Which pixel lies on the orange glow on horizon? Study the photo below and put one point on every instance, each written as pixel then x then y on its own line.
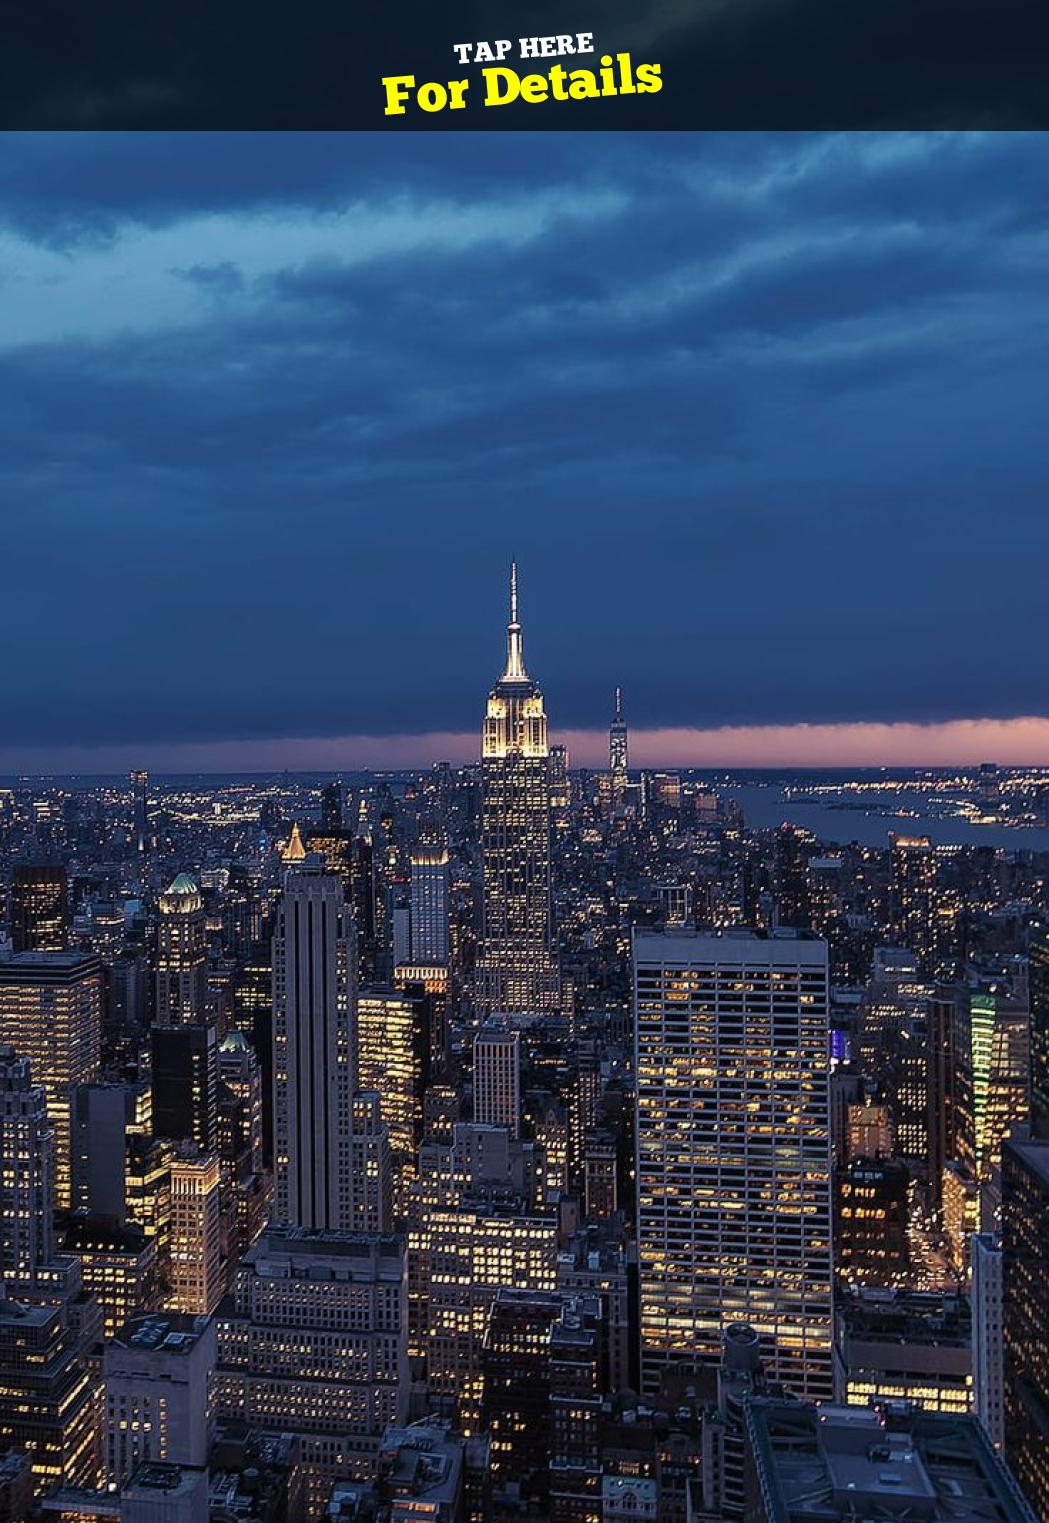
pixel 958 742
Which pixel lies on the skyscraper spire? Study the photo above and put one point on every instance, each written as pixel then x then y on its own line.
pixel 515 667
pixel 619 705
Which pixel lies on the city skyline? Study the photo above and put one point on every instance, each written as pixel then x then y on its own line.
pixel 758 417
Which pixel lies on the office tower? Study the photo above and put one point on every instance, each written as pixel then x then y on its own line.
pixel 430 887
pixel 733 1150
pixel 194 1250
pixel 184 1075
pixel 517 970
pixel 372 1171
pixel 600 1167
pixel 1038 966
pixel 49 1403
pixel 119 1266
pixel 393 1060
pixel 1025 1298
pixel 914 895
pixel 429 986
pixel 182 958
pixel 241 1074
pixel 331 806
pixel 39 908
pixel 105 1116
pixel 541 1403
pixel 560 789
pixel 893 1465
pixel 27 1183
pixel 314 1051
pixel 253 1013
pixel 314 1338
pixel 497 1078
pixel 139 781
pixel 51 1013
pixel 158 1373
pixel 462 1255
pixel 988 1350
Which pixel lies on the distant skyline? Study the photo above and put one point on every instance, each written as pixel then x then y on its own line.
pixel 762 419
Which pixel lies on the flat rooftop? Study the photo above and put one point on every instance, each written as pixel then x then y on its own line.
pixel 819 1464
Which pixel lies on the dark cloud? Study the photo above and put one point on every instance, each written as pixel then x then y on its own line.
pixel 762 419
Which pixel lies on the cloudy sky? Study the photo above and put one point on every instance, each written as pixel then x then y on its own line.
pixel 762 419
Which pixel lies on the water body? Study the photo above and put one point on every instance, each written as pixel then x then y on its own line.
pixel 768 805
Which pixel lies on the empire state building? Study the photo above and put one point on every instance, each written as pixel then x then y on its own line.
pixel 517 970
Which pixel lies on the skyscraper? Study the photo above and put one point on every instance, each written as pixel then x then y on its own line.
pixel 139 781
pixel 51 1013
pixel 497 1078
pixel 914 895
pixel 39 908
pixel 181 955
pixel 618 754
pixel 733 1150
pixel 517 969
pixel 429 900
pixel 1025 1301
pixel 314 1056
pixel 194 1248
pixel 26 1173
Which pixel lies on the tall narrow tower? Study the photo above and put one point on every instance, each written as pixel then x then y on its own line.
pixel 618 756
pixel 617 739
pixel 314 1056
pixel 517 968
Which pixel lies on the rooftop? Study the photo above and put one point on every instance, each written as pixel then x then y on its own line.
pixel 818 1464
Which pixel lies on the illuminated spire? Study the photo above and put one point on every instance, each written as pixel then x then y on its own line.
pixel 619 705
pixel 515 667
pixel 294 851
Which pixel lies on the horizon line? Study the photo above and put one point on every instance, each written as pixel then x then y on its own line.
pixel 1017 742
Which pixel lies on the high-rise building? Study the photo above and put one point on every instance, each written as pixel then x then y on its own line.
pixel 49 1406
pixel 1038 975
pixel 497 1078
pixel 194 1244
pixel 733 1150
pixel 372 1173
pixel 27 1183
pixel 517 968
pixel 332 805
pixel 39 908
pixel 1025 1298
pixel 430 894
pixel 105 1117
pixel 159 1379
pixel 184 1069
pixel 988 1349
pixel 315 1059
pixel 139 781
pixel 618 753
pixel 182 958
pixel 313 1340
pixel 51 1013
pixel 393 1060
pixel 914 895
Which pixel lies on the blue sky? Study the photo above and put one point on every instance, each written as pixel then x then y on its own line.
pixel 762 419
